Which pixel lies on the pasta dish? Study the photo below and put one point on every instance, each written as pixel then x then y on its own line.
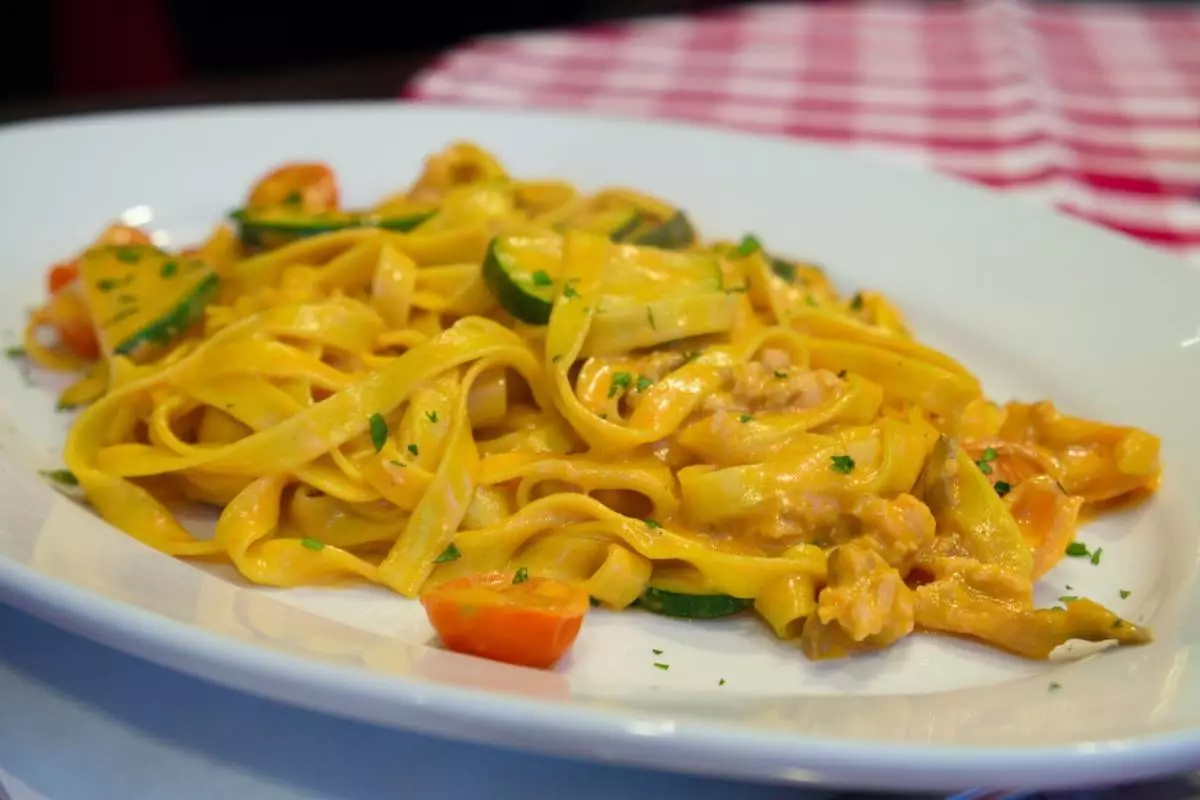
pixel 491 392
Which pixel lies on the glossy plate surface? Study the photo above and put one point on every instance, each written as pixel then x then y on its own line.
pixel 1035 303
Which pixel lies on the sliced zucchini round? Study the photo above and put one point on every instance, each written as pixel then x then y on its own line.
pixel 691 606
pixel 674 234
pixel 274 227
pixel 522 274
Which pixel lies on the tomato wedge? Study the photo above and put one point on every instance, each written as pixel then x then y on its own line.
pixel 527 621
pixel 309 187
pixel 61 275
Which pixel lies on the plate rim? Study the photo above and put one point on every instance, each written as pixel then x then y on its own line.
pixel 706 747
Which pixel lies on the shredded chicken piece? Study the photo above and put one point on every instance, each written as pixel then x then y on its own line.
pixel 896 529
pixel 865 604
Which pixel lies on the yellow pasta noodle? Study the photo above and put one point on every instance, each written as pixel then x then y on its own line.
pixel 484 373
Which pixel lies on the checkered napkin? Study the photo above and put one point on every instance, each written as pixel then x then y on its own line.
pixel 1095 109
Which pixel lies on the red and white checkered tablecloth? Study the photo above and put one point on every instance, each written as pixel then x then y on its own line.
pixel 1094 108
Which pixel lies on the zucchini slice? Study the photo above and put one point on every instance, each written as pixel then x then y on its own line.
pixel 521 273
pixel 650 296
pixel 691 606
pixel 141 299
pixel 273 227
pixel 675 233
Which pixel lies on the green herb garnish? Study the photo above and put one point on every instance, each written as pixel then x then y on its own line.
pixel 1068 598
pixel 312 544
pixel 620 380
pixel 643 383
pixel 662 666
pixel 652 524
pixel 1002 487
pixel 1077 550
pixel 842 464
pixel 16 351
pixel 569 292
pixel 542 278
pixel 293 198
pixel 744 418
pixel 1096 555
pixel 379 431
pixel 748 246
pixel 1054 687
pixel 650 318
pixel 656 651
pixel 451 553
pixel 856 302
pixel 721 682
pixel 781 375
pixel 984 462
pixel 412 448
pixel 1125 593
pixel 62 476
pixel 128 255
pixel 431 416
pixel 168 269
pixel 784 269
pixel 521 575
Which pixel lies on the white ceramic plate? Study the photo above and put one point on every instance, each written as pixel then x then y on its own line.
pixel 1036 303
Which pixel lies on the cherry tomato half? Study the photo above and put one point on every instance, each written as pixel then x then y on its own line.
pixel 61 275
pixel 69 314
pixel 531 623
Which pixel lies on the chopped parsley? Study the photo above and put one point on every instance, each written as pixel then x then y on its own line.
pixel 650 318
pixel 652 524
pixel 721 682
pixel 1068 587
pixel 748 246
pixel 128 255
pixel 810 300
pixel 312 544
pixel 643 383
pixel 293 198
pixel 841 373
pixel 1054 687
pixel 15 352
pixel 168 269
pixel 451 553
pixel 1116 623
pixel 984 462
pixel 1068 598
pixel 1077 550
pixel 396 463
pixel 856 303
pixel 842 464
pixel 656 651
pixel 569 291
pixel 1125 593
pixel 593 602
pixel 126 298
pixel 744 418
pixel 379 431
pixel 521 575
pixel 62 476
pixel 780 374
pixel 556 359
pixel 1096 555
pixel 620 380
pixel 431 416
pixel 412 448
pixel 1002 487
pixel 662 666
pixel 542 278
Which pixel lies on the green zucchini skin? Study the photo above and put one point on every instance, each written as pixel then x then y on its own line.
pixel 691 606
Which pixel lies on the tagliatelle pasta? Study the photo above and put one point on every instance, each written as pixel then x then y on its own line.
pixel 483 374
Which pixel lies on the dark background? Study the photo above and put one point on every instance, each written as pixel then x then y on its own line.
pixel 78 55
